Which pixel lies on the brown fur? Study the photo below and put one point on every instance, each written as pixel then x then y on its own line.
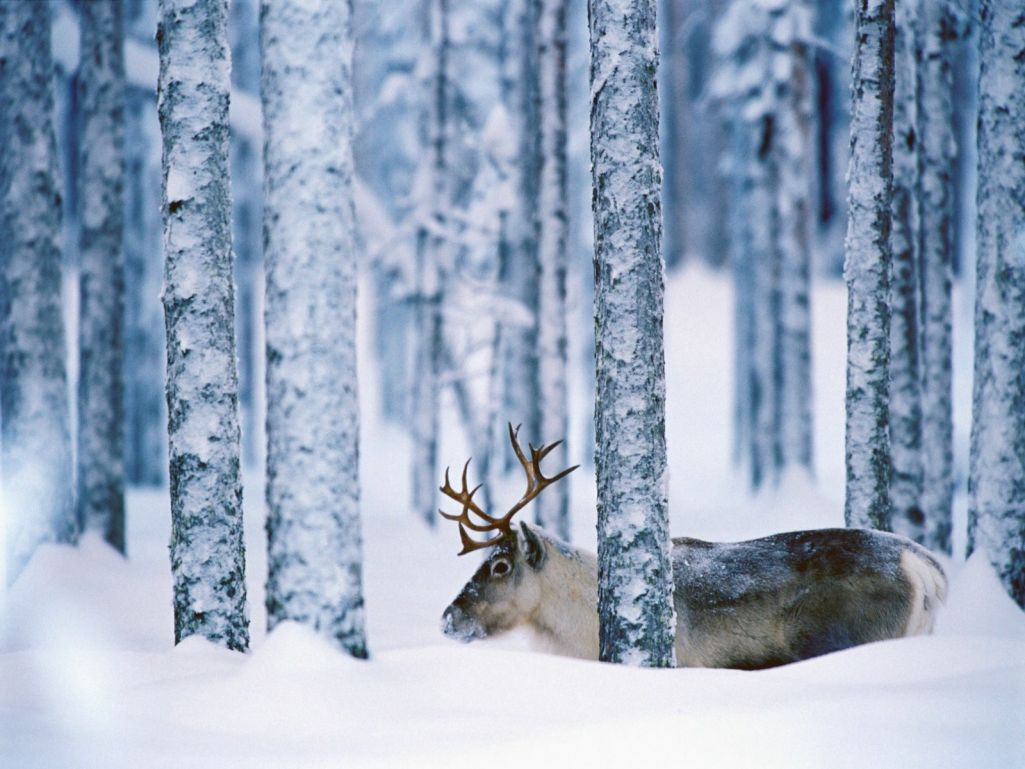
pixel 747 605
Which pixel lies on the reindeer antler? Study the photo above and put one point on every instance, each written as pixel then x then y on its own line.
pixel 536 483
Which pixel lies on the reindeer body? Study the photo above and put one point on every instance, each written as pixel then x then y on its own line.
pixel 749 605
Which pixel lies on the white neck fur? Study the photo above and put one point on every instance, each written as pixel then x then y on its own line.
pixel 566 619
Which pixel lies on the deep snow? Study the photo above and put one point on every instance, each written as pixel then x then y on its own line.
pixel 89 677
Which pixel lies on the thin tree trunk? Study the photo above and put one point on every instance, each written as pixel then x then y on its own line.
pixel 431 242
pixel 905 374
pixel 635 610
pixel 743 281
pixel 552 512
pixel 315 556
pixel 936 177
pixel 145 404
pixel 763 178
pixel 793 204
pixel 867 269
pixel 520 357
pixel 101 80
pixel 996 512
pixel 35 447
pixel 207 549
pixel 674 144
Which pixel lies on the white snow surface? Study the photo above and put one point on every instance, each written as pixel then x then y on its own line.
pixel 89 676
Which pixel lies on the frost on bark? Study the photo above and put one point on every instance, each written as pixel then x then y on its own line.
pixel 867 269
pixel 207 549
pixel 247 230
pixel 905 372
pixel 35 452
pixel 521 271
pixel 315 554
pixel 937 155
pixel 101 82
pixel 996 512
pixel 770 147
pixel 432 236
pixel 145 405
pixel 552 512
pixel 634 573
pixel 791 33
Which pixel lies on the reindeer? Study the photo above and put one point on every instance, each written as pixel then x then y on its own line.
pixel 747 605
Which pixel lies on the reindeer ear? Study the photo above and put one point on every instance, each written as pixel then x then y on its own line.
pixel 532 545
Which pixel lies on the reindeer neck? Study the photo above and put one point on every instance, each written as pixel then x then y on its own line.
pixel 566 620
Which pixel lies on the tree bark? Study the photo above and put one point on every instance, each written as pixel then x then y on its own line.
pixel 552 512
pixel 996 485
pixel 432 237
pixel 867 269
pixel 145 403
pixel 521 274
pixel 207 549
pixel 635 609
pixel 905 342
pixel 315 557
pixel 937 155
pixel 35 447
pixel 793 148
pixel 101 80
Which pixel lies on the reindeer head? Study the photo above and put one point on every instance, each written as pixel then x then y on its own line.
pixel 504 592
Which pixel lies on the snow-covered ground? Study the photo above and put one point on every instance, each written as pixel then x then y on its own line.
pixel 89 676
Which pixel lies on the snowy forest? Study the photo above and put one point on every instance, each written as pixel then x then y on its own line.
pixel 736 288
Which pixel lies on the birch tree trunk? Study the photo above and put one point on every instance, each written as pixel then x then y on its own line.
pixel 35 450
pixel 905 375
pixel 520 357
pixel 247 229
pixel 936 177
pixel 431 241
pixel 101 81
pixel 763 180
pixel 673 19
pixel 793 203
pixel 207 549
pixel 867 269
pixel 635 610
pixel 315 557
pixel 996 485
pixel 771 239
pixel 552 513
pixel 145 403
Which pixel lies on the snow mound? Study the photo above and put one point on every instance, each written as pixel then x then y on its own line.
pixel 978 604
pixel 295 648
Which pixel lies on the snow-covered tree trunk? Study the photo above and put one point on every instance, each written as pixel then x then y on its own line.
pixel 672 21
pixel 834 33
pixel 144 356
pixel 247 227
pixel 765 79
pixel 939 33
pixel 432 236
pixel 793 203
pixel 520 356
pixel 315 554
pixel 101 81
pixel 763 258
pixel 743 301
pixel 867 269
pixel 35 450
pixel 905 383
pixel 553 511
pixel 207 549
pixel 996 512
pixel 635 609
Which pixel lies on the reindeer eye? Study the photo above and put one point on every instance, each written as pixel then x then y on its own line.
pixel 500 568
